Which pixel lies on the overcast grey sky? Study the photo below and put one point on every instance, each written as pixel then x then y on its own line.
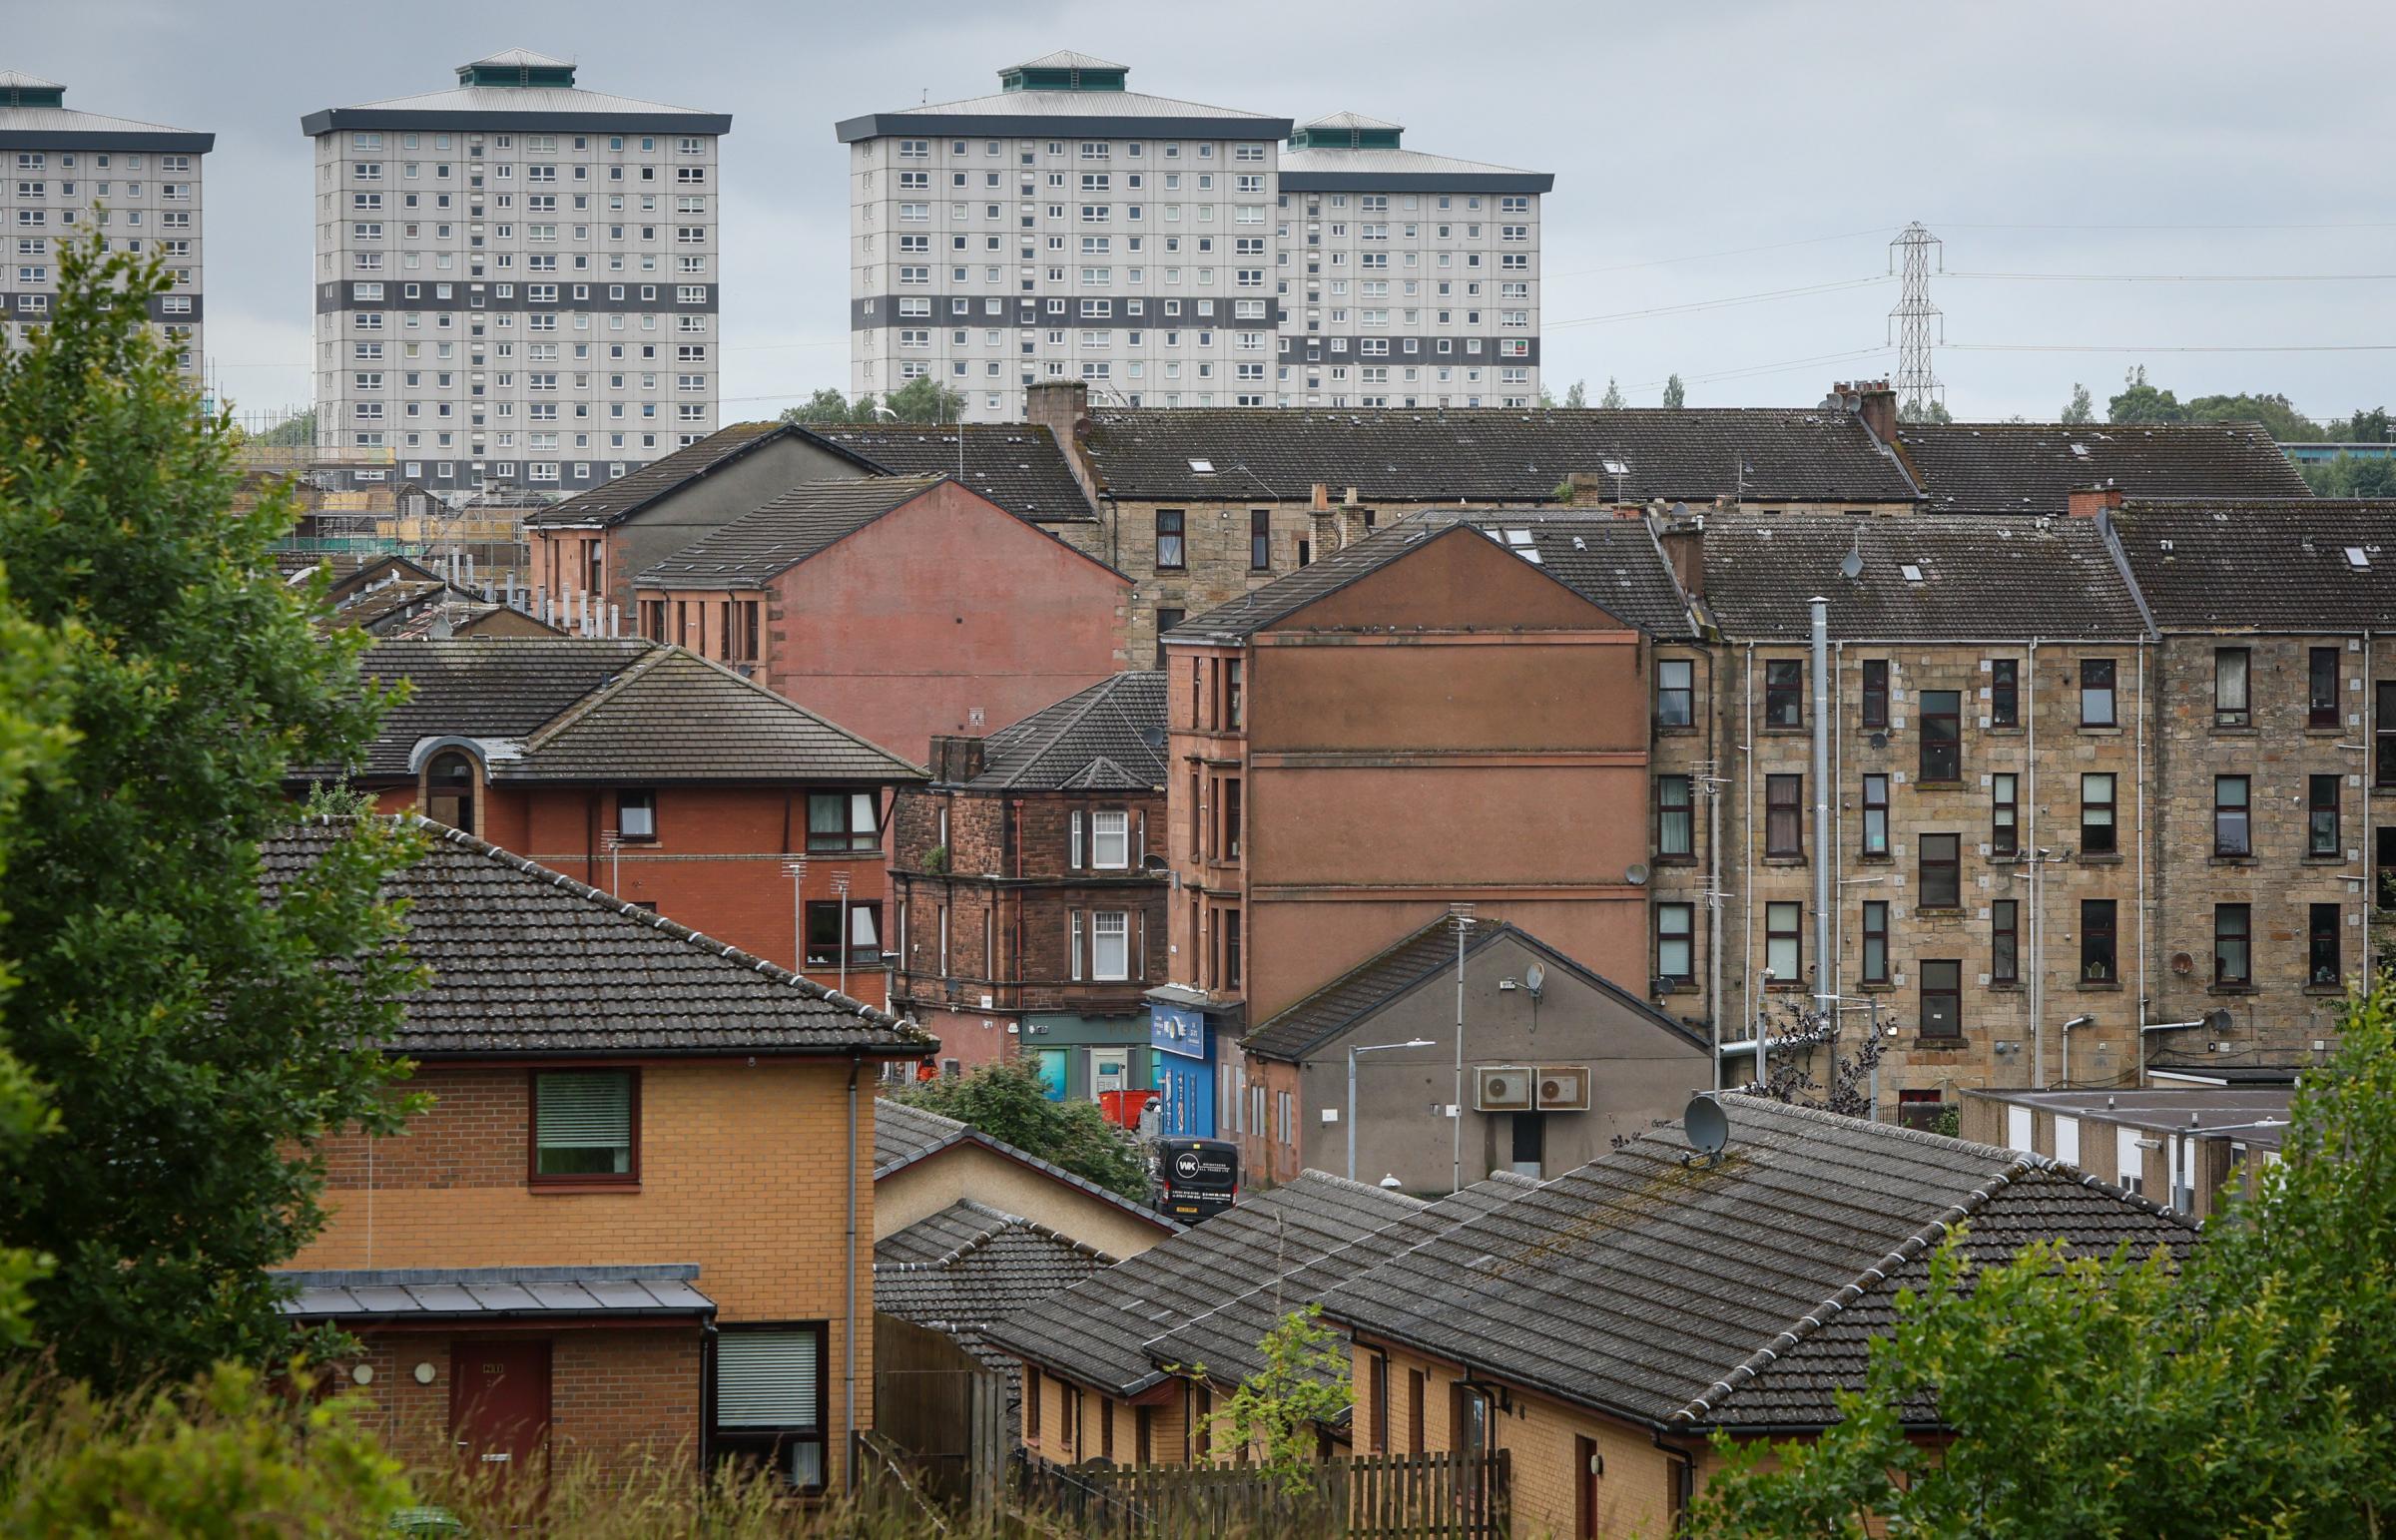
pixel 1702 152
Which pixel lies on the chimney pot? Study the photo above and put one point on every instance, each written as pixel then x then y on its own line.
pixel 2089 501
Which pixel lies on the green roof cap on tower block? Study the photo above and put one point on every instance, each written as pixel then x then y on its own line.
pixel 1347 131
pixel 1064 70
pixel 517 67
pixel 18 89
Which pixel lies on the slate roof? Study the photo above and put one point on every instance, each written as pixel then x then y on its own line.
pixel 359 1295
pixel 1017 465
pixel 526 961
pixel 1406 965
pixel 1740 1293
pixel 1075 104
pixel 1513 454
pixel 1068 59
pixel 1323 167
pixel 1096 1332
pixel 969 1263
pixel 1612 563
pixel 2261 564
pixel 1226 1339
pixel 804 521
pixel 1110 736
pixel 677 716
pixel 614 501
pixel 578 708
pixel 1980 578
pixel 904 1135
pixel 2031 467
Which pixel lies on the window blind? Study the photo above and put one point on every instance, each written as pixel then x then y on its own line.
pixel 585 1110
pixel 767 1379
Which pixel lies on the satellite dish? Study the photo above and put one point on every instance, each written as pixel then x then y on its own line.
pixel 1534 978
pixel 2218 1020
pixel 1851 566
pixel 1706 1125
pixel 1636 874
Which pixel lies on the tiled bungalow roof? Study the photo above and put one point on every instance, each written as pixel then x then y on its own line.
pixel 2031 467
pixel 525 962
pixel 580 709
pixel 1422 456
pixel 1110 736
pixel 1922 578
pixel 1096 1332
pixel 1739 1294
pixel 969 1265
pixel 2263 564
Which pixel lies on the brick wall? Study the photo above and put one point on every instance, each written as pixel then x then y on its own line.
pixel 616 1397
pixel 737 1158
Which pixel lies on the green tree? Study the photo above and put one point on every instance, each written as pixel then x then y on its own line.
pixel 1928 411
pixel 1676 393
pixel 2363 427
pixel 298 431
pixel 2082 409
pixel 185 1029
pixel 825 407
pixel 1577 398
pixel 1303 1387
pixel 922 399
pixel 1010 1102
pixel 2251 1392
pixel 1613 399
pixel 2276 413
pixel 2351 475
pixel 2141 402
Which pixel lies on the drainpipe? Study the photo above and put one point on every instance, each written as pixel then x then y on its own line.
pixel 2370 839
pixel 1836 854
pixel 2028 844
pixel 2140 780
pixel 1754 994
pixel 857 1064
pixel 1713 859
pixel 1822 834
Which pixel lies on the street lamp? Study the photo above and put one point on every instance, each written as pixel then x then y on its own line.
pixel 1419 1042
pixel 797 872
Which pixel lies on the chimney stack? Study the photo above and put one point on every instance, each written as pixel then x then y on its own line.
pixel 1683 543
pixel 2089 501
pixel 955 759
pixel 1062 407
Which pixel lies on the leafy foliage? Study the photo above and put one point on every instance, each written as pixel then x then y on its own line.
pixel 1676 395
pixel 2140 402
pixel 2252 1392
pixel 2082 408
pixel 1304 1384
pixel 1928 411
pixel 298 431
pixel 2351 475
pixel 182 1028
pixel 1806 1028
pixel 1613 399
pixel 1010 1102
pixel 922 399
pixel 830 407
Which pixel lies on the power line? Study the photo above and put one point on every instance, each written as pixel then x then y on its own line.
pixel 2186 277
pixel 1725 302
pixel 1736 250
pixel 1780 366
pixel 2363 224
pixel 2094 348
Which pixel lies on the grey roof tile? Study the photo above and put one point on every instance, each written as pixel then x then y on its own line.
pixel 637 488
pixel 1978 577
pixel 1015 464
pixel 1422 456
pixel 804 521
pixel 1665 1293
pixel 1612 563
pixel 2263 564
pixel 582 709
pixel 2031 467
pixel 528 961
pixel 904 1135
pixel 1096 1332
pixel 1110 736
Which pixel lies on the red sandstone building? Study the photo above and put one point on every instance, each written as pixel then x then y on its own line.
pixel 1430 716
pixel 654 774
pixel 1031 919
pixel 584 1249
pixel 901 605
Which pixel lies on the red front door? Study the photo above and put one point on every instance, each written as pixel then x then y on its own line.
pixel 499 1406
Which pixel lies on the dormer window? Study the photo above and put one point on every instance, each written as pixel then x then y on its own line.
pixel 449 790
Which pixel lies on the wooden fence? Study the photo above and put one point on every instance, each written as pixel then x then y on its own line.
pixel 1367 1497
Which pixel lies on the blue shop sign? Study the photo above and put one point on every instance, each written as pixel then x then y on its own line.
pixel 1177 1029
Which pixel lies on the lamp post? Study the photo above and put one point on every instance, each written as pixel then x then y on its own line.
pixel 797 872
pixel 1459 915
pixel 840 886
pixel 1419 1042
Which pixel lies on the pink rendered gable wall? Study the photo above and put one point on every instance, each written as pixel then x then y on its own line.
pixel 945 606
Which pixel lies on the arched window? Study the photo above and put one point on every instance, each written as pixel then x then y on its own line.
pixel 449 790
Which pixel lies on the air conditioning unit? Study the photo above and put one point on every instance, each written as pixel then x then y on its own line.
pixel 1563 1087
pixel 1501 1088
